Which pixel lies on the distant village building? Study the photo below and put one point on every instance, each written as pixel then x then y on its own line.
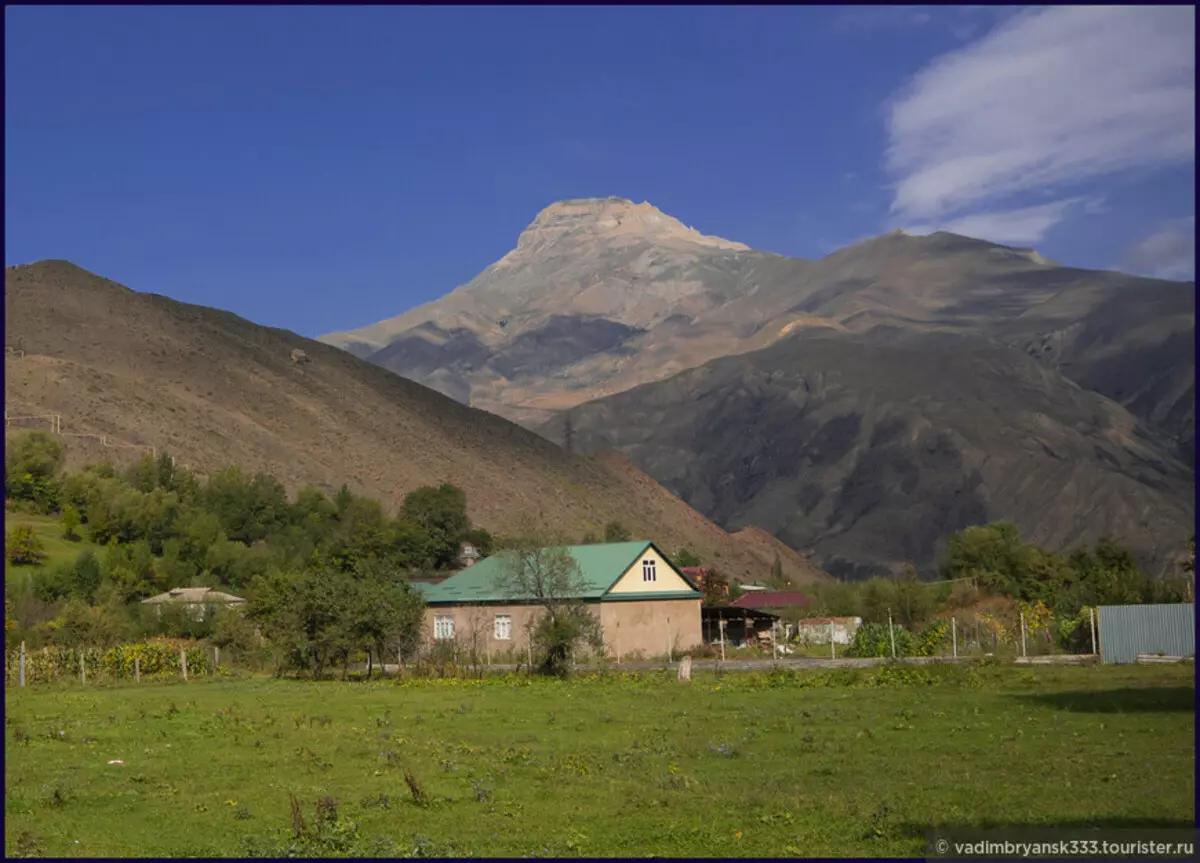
pixel 299 356
pixel 197 601
pixel 468 555
pixel 644 603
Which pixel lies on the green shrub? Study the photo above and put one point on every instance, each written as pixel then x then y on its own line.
pixel 873 640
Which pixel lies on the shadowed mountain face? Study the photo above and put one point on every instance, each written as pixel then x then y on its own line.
pixel 214 389
pixel 603 296
pixel 862 451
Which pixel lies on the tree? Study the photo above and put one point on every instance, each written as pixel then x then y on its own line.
pixel 33 461
pixel 537 568
pixel 912 600
pixel 614 531
pixel 686 557
pixel 716 588
pixel 22 546
pixel 777 579
pixel 441 513
pixel 70 523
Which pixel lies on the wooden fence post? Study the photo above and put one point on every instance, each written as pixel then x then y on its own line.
pixel 1092 618
pixel 183 663
pixel 891 634
pixel 1022 633
pixel 82 669
pixel 954 636
pixel 721 627
pixel 137 670
pixel 832 643
pixel 22 663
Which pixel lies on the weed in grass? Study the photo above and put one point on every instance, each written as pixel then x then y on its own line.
pixel 172 710
pixel 379 801
pixel 20 736
pixel 416 789
pixel 26 845
pixel 483 789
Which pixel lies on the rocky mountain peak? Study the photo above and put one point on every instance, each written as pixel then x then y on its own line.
pixel 612 219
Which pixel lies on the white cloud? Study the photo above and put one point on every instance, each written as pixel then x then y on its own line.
pixel 1052 98
pixel 1168 253
pixel 1024 225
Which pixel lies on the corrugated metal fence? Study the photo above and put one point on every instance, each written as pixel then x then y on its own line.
pixel 1127 630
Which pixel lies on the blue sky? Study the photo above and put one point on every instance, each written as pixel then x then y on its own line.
pixel 322 168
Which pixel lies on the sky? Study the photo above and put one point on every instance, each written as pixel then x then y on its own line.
pixel 321 168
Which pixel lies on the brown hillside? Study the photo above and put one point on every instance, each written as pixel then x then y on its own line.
pixel 215 389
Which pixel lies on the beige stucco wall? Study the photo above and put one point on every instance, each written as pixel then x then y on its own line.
pixel 648 626
pixel 666 579
pixel 630 626
pixel 477 625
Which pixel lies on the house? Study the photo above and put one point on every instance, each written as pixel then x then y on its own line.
pixel 645 605
pixel 195 600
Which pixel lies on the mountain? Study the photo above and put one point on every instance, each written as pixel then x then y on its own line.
pixel 214 389
pixel 866 451
pixel 602 298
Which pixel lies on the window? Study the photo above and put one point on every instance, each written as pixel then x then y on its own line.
pixel 648 573
pixel 503 629
pixel 443 627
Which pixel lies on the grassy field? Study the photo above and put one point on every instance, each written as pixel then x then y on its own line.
pixel 814 763
pixel 58 550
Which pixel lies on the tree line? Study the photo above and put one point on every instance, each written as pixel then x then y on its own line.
pixel 161 527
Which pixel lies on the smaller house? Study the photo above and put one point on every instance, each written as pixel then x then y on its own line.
pixel 197 601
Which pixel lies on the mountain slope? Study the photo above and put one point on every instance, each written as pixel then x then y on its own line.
pixel 215 389
pixel 866 451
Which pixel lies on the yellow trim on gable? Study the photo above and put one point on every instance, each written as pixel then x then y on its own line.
pixel 666 580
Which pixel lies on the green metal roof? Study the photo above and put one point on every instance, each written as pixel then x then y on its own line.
pixel 600 565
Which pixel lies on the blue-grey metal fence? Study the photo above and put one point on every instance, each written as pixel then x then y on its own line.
pixel 1127 630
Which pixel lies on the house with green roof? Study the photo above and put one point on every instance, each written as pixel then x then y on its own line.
pixel 646 606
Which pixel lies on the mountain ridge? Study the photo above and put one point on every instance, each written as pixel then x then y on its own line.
pixel 213 389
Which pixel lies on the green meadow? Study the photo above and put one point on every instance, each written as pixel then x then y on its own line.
pixel 844 762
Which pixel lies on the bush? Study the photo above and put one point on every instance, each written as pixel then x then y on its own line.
pixel 873 640
pixel 932 639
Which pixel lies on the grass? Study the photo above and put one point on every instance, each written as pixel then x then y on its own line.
pixel 849 762
pixel 58 550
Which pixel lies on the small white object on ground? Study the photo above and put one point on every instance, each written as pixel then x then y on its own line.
pixel 116 762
